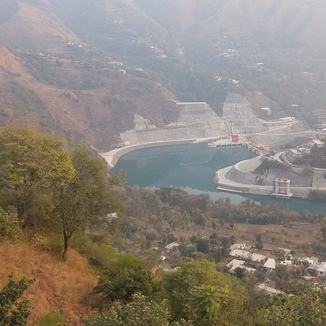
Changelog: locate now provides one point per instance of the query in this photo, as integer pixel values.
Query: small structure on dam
(281, 188)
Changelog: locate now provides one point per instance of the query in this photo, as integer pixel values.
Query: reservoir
(192, 167)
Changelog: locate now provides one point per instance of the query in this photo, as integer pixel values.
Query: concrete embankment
(240, 179)
(112, 157)
(223, 182)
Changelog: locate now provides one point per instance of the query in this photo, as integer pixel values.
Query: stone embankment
(237, 178)
(241, 178)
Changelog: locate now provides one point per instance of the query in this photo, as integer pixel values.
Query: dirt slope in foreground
(64, 286)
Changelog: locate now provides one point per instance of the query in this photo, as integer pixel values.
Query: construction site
(198, 122)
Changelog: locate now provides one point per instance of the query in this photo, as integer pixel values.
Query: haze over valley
(219, 111)
(83, 69)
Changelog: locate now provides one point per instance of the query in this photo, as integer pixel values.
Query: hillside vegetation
(65, 287)
(114, 240)
(82, 69)
(55, 82)
(80, 247)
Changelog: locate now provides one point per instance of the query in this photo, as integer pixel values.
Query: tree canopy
(197, 291)
(125, 277)
(87, 198)
(31, 163)
(306, 309)
(9, 226)
(139, 311)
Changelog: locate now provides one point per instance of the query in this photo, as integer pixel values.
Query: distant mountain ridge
(301, 20)
(83, 68)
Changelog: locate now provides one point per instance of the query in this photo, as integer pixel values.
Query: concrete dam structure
(196, 120)
(238, 113)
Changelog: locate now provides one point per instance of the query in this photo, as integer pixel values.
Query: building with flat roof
(236, 263)
(270, 264)
(248, 255)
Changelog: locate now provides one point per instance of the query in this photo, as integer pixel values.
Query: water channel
(192, 167)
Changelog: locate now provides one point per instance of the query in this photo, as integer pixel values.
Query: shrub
(14, 311)
(9, 227)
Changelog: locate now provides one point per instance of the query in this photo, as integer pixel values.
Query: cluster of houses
(302, 150)
(249, 259)
(240, 251)
(245, 258)
(252, 261)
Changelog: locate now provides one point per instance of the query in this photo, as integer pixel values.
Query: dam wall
(112, 157)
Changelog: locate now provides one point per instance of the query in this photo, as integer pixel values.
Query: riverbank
(238, 178)
(112, 157)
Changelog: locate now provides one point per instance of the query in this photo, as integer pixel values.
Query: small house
(321, 270)
(270, 264)
(318, 143)
(237, 253)
(173, 246)
(267, 289)
(236, 263)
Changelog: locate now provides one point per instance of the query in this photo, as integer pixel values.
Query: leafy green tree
(323, 233)
(187, 250)
(207, 303)
(125, 277)
(239, 272)
(307, 309)
(198, 278)
(283, 273)
(259, 244)
(30, 163)
(203, 245)
(139, 311)
(14, 310)
(87, 199)
(9, 226)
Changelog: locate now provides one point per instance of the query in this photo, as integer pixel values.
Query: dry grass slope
(64, 286)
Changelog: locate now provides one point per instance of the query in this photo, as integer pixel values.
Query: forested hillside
(81, 69)
(55, 81)
(53, 199)
(80, 247)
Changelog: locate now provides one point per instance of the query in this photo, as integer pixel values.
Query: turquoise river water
(192, 167)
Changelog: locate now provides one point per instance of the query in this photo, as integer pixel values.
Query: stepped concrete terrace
(196, 120)
(238, 114)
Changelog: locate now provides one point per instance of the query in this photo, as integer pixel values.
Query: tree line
(45, 186)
